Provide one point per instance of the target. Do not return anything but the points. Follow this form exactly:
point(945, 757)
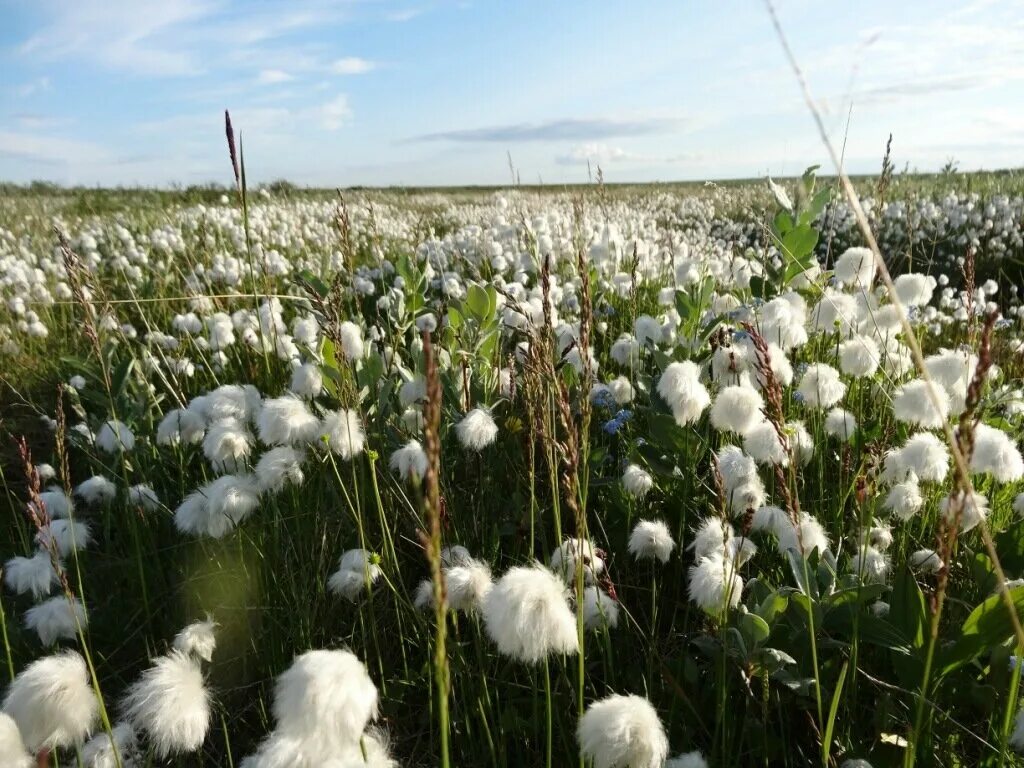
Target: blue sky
point(434, 92)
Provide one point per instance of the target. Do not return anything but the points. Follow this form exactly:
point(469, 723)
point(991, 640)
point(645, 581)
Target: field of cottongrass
point(638, 477)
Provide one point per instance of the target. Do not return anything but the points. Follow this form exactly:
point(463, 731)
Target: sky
point(431, 92)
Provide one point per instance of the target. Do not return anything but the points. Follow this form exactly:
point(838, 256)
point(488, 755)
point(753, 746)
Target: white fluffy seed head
point(821, 386)
point(181, 426)
point(11, 746)
point(527, 615)
point(97, 490)
point(56, 619)
point(218, 507)
point(99, 752)
point(227, 445)
point(687, 760)
point(307, 381)
point(926, 561)
point(343, 431)
point(468, 585)
point(714, 584)
point(566, 560)
point(410, 461)
point(325, 696)
point(143, 497)
point(198, 639)
point(681, 388)
point(34, 574)
point(600, 610)
point(287, 420)
point(913, 404)
point(622, 732)
point(56, 504)
point(637, 481)
point(52, 702)
point(737, 409)
point(840, 424)
point(651, 540)
point(476, 430)
point(358, 570)
point(115, 437)
point(278, 468)
point(170, 704)
point(66, 536)
point(995, 454)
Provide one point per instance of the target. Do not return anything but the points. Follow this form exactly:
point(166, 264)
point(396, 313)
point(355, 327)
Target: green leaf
point(1010, 546)
point(782, 223)
point(754, 629)
point(816, 206)
point(989, 624)
point(773, 606)
point(666, 434)
point(907, 607)
point(798, 243)
point(477, 302)
point(120, 378)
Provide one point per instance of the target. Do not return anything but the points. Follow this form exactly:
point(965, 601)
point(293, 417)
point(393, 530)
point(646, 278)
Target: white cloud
point(273, 76)
point(352, 65)
point(407, 14)
point(51, 149)
point(120, 34)
point(39, 85)
point(335, 113)
point(594, 153)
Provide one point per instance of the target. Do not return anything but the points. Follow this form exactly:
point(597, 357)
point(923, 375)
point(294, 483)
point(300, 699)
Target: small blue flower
point(605, 399)
point(798, 396)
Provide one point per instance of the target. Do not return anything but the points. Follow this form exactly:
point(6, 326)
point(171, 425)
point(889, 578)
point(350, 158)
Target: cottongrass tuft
point(527, 615)
point(115, 437)
point(198, 639)
point(170, 704)
point(11, 746)
point(52, 702)
point(99, 752)
point(143, 497)
point(344, 433)
point(286, 420)
point(840, 424)
point(358, 570)
point(913, 404)
point(34, 574)
point(821, 386)
point(325, 698)
point(66, 536)
point(680, 387)
point(637, 481)
point(995, 454)
point(714, 584)
point(218, 507)
point(926, 561)
point(476, 430)
point(737, 409)
point(56, 619)
point(278, 468)
point(600, 610)
point(96, 491)
point(565, 561)
point(56, 504)
point(622, 732)
point(651, 540)
point(410, 461)
point(687, 760)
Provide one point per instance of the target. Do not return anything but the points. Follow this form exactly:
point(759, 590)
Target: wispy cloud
point(352, 65)
point(39, 85)
point(273, 77)
point(50, 150)
point(121, 34)
point(572, 129)
point(406, 14)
